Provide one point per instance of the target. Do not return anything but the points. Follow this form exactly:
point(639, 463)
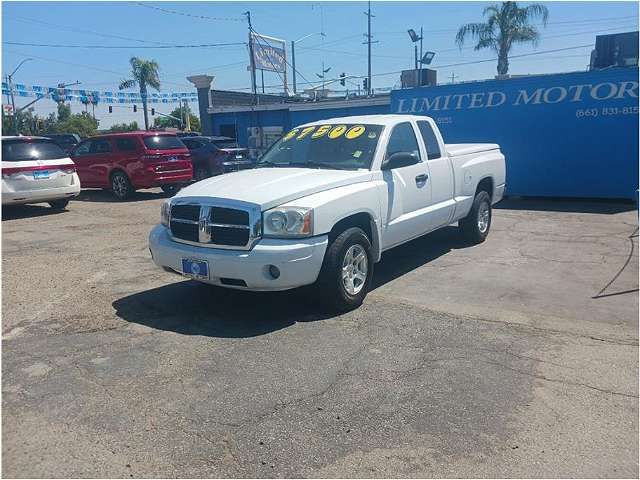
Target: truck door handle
point(421, 179)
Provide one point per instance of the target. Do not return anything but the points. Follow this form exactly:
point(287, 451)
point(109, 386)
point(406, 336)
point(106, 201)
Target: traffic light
point(153, 112)
point(365, 83)
point(135, 108)
point(110, 109)
point(342, 79)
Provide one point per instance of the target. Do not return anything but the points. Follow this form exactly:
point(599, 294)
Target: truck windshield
point(338, 146)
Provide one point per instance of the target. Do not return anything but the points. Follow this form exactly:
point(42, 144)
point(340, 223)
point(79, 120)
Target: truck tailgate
point(458, 149)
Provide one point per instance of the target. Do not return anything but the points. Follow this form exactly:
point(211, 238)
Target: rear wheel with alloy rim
point(121, 186)
point(347, 270)
point(475, 226)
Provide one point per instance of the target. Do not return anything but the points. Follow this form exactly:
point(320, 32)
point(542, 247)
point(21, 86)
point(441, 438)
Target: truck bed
point(458, 149)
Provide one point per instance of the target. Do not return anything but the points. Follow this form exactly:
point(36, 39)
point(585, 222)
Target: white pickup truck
point(324, 202)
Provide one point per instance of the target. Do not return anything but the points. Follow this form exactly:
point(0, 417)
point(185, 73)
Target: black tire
point(59, 204)
point(200, 173)
point(330, 281)
point(170, 188)
point(473, 228)
point(120, 185)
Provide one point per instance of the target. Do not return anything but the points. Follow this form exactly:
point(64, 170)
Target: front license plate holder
point(195, 268)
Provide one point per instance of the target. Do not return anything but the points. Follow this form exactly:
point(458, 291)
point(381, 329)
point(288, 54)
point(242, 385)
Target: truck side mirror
point(399, 160)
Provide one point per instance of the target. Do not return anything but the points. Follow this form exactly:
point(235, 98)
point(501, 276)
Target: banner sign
point(95, 97)
point(269, 53)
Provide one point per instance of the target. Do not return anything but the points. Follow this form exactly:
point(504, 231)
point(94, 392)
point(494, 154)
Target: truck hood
point(270, 187)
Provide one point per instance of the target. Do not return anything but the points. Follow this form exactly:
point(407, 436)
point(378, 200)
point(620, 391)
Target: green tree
point(81, 123)
point(124, 127)
point(505, 25)
point(144, 74)
point(166, 122)
point(64, 111)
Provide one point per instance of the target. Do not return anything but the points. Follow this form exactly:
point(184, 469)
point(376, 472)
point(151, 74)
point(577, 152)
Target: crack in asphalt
point(564, 382)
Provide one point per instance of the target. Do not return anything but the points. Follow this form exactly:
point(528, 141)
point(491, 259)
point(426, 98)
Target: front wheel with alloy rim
point(121, 186)
point(475, 226)
point(347, 270)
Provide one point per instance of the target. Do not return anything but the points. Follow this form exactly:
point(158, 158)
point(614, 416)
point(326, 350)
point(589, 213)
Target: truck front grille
point(214, 225)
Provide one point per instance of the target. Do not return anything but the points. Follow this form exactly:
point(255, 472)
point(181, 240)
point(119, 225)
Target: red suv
point(124, 162)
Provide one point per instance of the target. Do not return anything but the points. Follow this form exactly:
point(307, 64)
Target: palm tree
point(145, 74)
point(506, 24)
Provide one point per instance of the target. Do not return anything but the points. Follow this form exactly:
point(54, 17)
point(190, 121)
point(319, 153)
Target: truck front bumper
point(298, 261)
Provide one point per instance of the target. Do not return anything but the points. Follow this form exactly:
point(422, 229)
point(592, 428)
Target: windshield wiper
point(325, 165)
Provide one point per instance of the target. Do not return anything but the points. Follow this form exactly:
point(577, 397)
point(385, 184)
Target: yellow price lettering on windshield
point(337, 131)
point(305, 132)
point(322, 129)
point(290, 135)
point(355, 132)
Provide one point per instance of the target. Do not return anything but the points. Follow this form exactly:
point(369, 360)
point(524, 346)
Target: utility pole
point(420, 63)
point(14, 122)
point(453, 77)
point(187, 116)
point(293, 64)
point(368, 35)
point(253, 66)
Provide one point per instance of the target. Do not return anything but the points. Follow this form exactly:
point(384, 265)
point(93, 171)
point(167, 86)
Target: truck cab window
point(430, 140)
point(403, 139)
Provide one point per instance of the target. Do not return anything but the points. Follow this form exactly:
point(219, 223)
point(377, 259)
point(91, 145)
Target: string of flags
point(91, 96)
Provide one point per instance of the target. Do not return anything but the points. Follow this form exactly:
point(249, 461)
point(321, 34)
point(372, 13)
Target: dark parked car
point(66, 141)
point(216, 155)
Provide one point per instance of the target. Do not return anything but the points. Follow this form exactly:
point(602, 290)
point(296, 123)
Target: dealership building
point(563, 135)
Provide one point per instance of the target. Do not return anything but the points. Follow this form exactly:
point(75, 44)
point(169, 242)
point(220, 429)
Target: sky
point(136, 25)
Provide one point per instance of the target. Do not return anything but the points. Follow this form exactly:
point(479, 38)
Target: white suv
point(36, 170)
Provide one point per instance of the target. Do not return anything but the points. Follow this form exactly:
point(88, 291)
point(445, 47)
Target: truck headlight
point(165, 213)
point(288, 222)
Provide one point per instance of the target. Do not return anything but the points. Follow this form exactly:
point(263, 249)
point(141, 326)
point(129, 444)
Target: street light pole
point(293, 56)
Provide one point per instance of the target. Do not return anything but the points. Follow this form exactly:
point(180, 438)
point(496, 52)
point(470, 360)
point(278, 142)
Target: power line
point(542, 37)
point(184, 14)
point(465, 63)
point(90, 32)
point(542, 52)
point(81, 65)
point(55, 45)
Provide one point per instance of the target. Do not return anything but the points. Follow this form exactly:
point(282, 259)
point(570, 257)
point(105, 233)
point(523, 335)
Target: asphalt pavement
point(506, 359)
